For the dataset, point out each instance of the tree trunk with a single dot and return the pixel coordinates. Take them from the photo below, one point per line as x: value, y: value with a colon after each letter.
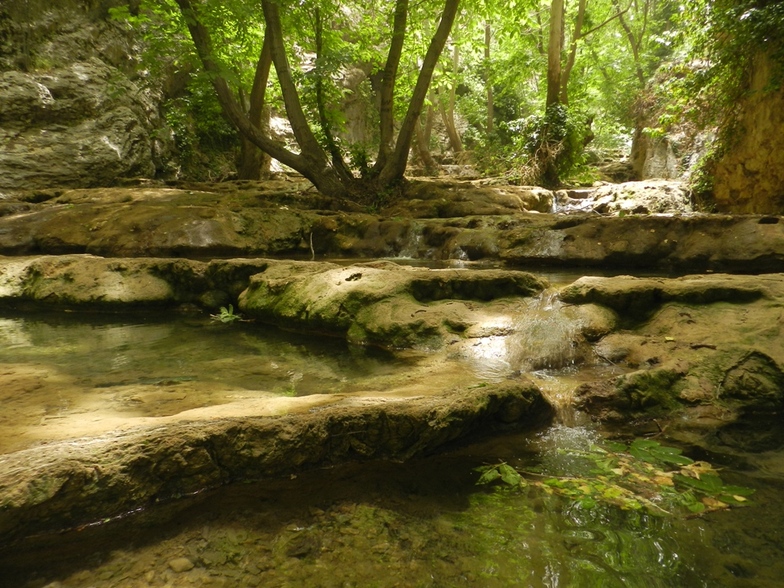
x: 489, y: 82
x: 311, y: 165
x: 334, y: 151
x: 422, y: 145
x: 430, y: 120
x: 634, y: 43
x: 310, y: 149
x: 312, y: 161
x: 566, y: 72
x: 448, y: 110
x: 254, y: 162
x: 554, y: 52
x: 396, y: 166
x: 387, y: 93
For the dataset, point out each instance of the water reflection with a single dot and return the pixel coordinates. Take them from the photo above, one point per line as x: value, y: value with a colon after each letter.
x: 423, y: 523
x: 87, y: 368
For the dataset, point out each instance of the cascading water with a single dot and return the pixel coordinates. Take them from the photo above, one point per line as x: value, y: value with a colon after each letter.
x: 544, y: 341
x: 412, y: 246
x: 546, y: 337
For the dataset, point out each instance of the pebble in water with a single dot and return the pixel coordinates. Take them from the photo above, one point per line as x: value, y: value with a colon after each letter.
x: 181, y: 564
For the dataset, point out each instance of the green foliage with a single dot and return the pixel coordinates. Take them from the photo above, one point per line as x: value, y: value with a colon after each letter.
x: 207, y: 143
x: 226, y: 315
x: 204, y: 138
x: 642, y: 476
x: 540, y: 149
x: 702, y: 87
x: 723, y: 39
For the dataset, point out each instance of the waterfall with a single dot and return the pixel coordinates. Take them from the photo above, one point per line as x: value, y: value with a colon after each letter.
x: 544, y: 342
x: 412, y: 246
x: 546, y: 336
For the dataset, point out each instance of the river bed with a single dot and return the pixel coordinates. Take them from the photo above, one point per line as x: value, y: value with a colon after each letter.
x: 420, y: 523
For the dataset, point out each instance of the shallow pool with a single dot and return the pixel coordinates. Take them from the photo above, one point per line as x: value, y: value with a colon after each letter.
x: 423, y: 523
x: 81, y: 368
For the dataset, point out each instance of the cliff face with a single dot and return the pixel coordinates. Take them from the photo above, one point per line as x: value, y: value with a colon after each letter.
x: 749, y: 177
x: 71, y: 111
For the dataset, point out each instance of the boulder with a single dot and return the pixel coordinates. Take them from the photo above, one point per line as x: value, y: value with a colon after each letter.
x: 77, y: 126
x: 450, y: 199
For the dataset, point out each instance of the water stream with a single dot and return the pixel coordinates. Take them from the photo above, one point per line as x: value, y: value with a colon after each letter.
x: 422, y: 523
x: 89, y: 372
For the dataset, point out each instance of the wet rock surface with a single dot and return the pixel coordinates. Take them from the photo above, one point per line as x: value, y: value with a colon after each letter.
x: 705, y: 351
x: 698, y: 353
x: 384, y: 304
x: 62, y: 484
x: 285, y: 217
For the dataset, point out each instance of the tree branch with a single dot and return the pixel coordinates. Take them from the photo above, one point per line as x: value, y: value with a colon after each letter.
x: 337, y: 157
x: 387, y: 92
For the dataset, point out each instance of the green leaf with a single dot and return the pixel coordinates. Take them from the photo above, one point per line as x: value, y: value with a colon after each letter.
x: 708, y: 483
x: 696, y: 507
x: 489, y: 476
x: 509, y: 475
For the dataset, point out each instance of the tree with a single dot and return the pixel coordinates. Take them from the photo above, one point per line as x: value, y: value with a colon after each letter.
x: 554, y: 49
x: 323, y: 163
x: 253, y: 161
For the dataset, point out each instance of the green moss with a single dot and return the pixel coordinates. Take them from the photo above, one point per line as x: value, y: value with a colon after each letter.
x: 652, y: 389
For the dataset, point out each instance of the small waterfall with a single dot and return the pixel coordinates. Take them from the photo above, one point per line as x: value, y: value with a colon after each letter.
x: 546, y: 336
x: 412, y: 246
x: 548, y: 346
x: 543, y: 342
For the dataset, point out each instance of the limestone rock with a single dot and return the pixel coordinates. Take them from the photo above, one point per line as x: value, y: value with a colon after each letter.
x: 645, y: 197
x: 88, y: 281
x: 749, y: 177
x: 449, y: 199
x: 72, y: 109
x: 64, y: 484
x: 639, y: 297
x: 703, y: 351
x: 284, y: 217
x: 181, y: 564
x: 70, y: 127
x: 381, y: 303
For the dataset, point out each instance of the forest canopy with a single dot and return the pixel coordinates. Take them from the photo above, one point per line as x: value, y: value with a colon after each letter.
x: 524, y: 88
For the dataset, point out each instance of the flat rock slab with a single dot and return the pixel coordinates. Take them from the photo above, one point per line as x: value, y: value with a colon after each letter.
x: 89, y: 281
x: 696, y: 351
x: 707, y: 348
x: 385, y: 304
x: 440, y: 221
x: 68, y: 483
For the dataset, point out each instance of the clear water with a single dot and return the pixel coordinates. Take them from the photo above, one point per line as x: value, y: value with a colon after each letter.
x: 75, y: 369
x: 422, y: 523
